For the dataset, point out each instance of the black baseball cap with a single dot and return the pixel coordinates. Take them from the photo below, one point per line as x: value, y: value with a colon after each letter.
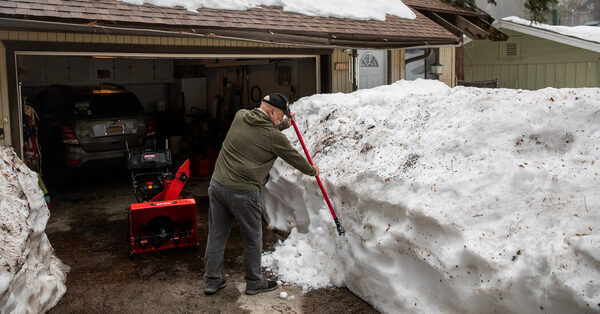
x: 279, y: 101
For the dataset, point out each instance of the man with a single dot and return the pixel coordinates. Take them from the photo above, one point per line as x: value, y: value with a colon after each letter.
x: 252, y: 145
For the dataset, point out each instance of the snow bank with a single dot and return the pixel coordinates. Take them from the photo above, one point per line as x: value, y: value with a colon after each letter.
x: 32, y: 278
x: 458, y: 200
x: 353, y: 9
x: 590, y: 33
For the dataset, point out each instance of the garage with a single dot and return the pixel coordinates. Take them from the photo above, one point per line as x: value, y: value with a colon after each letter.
x: 188, y: 102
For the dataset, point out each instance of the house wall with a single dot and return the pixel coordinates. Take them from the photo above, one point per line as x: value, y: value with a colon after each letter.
x: 397, y: 65
x: 539, y: 63
x: 340, y: 82
x: 447, y: 59
x: 302, y: 82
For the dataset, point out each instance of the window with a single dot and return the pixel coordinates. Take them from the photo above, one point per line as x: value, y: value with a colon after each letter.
x: 368, y: 61
x: 418, y: 63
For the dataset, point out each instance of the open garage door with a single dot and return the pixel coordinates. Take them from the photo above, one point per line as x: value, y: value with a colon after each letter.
x: 89, y: 105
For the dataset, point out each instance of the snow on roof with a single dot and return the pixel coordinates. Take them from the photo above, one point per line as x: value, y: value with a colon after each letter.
x: 454, y: 200
x: 588, y: 33
x: 353, y: 9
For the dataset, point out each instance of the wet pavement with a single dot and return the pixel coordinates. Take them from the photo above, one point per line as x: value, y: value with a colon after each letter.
x: 88, y: 230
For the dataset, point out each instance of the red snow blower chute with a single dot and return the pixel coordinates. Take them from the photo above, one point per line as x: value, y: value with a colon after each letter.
x: 159, y: 220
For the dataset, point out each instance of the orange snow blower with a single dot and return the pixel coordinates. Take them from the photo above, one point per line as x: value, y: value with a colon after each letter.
x: 160, y: 220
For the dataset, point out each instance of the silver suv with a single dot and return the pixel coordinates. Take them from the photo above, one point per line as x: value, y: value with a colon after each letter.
x: 86, y: 125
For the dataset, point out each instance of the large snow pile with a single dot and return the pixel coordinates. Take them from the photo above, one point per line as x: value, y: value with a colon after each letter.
x: 457, y: 200
x: 590, y: 33
x: 353, y: 9
x: 32, y: 278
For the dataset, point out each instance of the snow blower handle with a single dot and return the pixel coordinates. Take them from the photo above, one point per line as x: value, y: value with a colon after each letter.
x: 338, y: 225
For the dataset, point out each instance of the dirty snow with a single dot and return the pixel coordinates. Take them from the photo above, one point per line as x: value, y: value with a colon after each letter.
x: 590, y: 33
x: 457, y: 200
x: 32, y: 278
x: 353, y: 9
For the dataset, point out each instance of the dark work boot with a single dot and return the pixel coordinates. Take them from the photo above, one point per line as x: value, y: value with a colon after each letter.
x: 212, y: 290
x: 267, y: 285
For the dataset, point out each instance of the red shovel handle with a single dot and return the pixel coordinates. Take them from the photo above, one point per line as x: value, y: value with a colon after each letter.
x: 340, y: 229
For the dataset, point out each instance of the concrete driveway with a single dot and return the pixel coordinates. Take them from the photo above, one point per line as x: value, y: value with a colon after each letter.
x: 88, y: 228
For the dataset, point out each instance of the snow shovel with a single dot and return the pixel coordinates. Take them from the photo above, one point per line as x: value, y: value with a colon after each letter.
x: 338, y: 225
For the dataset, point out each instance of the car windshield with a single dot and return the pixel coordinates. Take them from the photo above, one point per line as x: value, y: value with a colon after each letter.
x: 106, y: 105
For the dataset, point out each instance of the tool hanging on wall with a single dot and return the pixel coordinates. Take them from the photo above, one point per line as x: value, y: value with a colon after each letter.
x: 31, y: 146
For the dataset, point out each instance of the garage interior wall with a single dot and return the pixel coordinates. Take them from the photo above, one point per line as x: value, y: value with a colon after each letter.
x: 266, y: 77
x: 4, y: 114
x: 137, y: 75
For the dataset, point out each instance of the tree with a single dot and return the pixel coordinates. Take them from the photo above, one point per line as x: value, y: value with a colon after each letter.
x: 538, y: 9
x: 467, y: 3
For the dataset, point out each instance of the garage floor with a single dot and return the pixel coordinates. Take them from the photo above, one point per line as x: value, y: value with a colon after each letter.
x: 88, y: 227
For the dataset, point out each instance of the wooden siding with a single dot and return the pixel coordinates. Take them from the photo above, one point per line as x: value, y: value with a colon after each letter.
x: 539, y: 63
x: 4, y: 94
x: 447, y: 60
x: 397, y: 65
x: 540, y: 75
x: 339, y: 79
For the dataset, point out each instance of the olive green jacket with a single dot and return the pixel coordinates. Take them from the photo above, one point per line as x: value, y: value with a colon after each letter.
x: 250, y: 149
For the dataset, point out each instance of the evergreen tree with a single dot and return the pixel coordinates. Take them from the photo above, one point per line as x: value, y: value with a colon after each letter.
x: 539, y: 9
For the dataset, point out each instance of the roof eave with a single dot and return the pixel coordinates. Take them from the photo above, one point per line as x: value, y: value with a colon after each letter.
x: 549, y: 35
x: 255, y: 35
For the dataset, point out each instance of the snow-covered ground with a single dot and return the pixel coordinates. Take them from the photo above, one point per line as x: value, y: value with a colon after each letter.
x: 353, y: 9
x: 457, y: 200
x: 32, y: 278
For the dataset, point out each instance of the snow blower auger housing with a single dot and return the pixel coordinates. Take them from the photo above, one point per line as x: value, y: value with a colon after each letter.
x: 160, y: 220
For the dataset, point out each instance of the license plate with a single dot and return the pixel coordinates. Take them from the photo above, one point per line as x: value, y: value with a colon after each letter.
x: 113, y: 129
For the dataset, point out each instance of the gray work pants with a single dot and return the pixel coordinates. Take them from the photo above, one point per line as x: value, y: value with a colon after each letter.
x: 225, y: 205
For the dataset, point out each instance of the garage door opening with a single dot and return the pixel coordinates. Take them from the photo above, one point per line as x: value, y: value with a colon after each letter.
x: 90, y: 106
